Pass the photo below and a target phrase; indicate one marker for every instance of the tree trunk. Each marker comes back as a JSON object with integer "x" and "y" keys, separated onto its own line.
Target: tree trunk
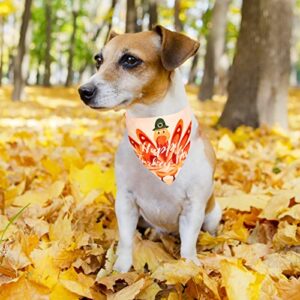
{"x": 131, "y": 16}
{"x": 18, "y": 60}
{"x": 109, "y": 19}
{"x": 260, "y": 72}
{"x": 153, "y": 16}
{"x": 1, "y": 47}
{"x": 70, "y": 75}
{"x": 177, "y": 22}
{"x": 193, "y": 70}
{"x": 214, "y": 48}
{"x": 48, "y": 15}
{"x": 38, "y": 72}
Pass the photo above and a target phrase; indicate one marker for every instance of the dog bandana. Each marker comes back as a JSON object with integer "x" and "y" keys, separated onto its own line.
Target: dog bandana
{"x": 161, "y": 143}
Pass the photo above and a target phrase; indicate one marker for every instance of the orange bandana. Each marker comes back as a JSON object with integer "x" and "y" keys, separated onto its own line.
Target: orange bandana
{"x": 161, "y": 143}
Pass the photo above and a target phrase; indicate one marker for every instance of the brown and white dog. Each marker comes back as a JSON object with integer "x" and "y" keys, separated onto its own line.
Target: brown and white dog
{"x": 139, "y": 72}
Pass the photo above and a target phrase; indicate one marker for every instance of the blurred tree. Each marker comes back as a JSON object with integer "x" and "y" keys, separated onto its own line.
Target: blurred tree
{"x": 1, "y": 47}
{"x": 214, "y": 48}
{"x": 193, "y": 70}
{"x": 177, "y": 21}
{"x": 75, "y": 13}
{"x": 6, "y": 8}
{"x": 259, "y": 78}
{"x": 153, "y": 16}
{"x": 18, "y": 60}
{"x": 109, "y": 18}
{"x": 131, "y": 16}
{"x": 49, "y": 20}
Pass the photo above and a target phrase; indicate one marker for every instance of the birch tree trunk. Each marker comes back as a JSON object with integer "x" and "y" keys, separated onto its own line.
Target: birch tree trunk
{"x": 214, "y": 48}
{"x": 260, "y": 72}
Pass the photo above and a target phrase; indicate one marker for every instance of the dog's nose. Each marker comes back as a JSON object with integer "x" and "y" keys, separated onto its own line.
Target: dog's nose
{"x": 87, "y": 92}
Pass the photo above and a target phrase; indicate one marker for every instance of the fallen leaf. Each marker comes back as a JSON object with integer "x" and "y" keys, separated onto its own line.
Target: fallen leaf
{"x": 149, "y": 253}
{"x": 40, "y": 197}
{"x": 240, "y": 283}
{"x": 129, "y": 292}
{"x": 177, "y": 272}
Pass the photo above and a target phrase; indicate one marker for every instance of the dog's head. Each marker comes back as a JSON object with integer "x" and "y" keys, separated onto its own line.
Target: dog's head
{"x": 136, "y": 67}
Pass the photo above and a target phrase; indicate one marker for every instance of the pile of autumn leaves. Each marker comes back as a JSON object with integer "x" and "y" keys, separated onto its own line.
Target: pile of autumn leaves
{"x": 58, "y": 230}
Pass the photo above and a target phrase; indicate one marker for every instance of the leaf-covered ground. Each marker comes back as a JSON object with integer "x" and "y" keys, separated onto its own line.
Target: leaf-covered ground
{"x": 58, "y": 230}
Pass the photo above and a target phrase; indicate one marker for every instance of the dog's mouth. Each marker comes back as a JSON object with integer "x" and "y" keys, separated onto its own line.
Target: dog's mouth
{"x": 121, "y": 105}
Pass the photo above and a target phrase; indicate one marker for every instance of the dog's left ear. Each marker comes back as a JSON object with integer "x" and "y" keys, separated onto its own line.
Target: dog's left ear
{"x": 111, "y": 35}
{"x": 176, "y": 47}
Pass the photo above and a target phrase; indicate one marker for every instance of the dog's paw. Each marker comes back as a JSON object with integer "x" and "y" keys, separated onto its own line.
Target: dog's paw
{"x": 123, "y": 263}
{"x": 195, "y": 260}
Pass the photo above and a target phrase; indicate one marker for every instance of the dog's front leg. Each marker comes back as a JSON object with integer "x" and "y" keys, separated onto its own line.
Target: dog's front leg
{"x": 127, "y": 215}
{"x": 190, "y": 223}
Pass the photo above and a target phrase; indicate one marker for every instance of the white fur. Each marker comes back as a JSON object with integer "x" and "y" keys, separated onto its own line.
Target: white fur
{"x": 170, "y": 208}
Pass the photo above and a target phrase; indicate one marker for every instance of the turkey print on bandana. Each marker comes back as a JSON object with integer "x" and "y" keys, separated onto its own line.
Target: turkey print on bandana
{"x": 161, "y": 143}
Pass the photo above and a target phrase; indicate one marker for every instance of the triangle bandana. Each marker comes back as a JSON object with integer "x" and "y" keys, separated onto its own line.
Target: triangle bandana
{"x": 161, "y": 143}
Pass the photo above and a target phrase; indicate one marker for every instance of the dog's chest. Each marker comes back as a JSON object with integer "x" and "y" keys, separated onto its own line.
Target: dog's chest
{"x": 161, "y": 204}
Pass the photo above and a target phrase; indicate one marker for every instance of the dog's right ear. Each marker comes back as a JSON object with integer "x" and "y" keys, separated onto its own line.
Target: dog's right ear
{"x": 176, "y": 47}
{"x": 111, "y": 35}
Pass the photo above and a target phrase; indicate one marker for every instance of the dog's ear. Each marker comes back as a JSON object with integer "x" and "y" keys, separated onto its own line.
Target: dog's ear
{"x": 111, "y": 35}
{"x": 176, "y": 47}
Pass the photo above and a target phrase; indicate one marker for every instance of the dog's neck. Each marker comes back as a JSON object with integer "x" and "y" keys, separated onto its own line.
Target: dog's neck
{"x": 174, "y": 101}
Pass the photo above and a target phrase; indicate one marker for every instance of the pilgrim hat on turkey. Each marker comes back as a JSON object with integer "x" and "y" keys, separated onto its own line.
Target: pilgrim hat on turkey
{"x": 160, "y": 124}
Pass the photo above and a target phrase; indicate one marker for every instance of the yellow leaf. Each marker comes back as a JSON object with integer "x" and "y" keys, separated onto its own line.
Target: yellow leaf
{"x": 293, "y": 212}
{"x": 276, "y": 263}
{"x": 52, "y": 167}
{"x": 14, "y": 191}
{"x": 150, "y": 253}
{"x": 286, "y": 235}
{"x": 244, "y": 202}
{"x": 278, "y": 204}
{"x": 79, "y": 284}
{"x": 176, "y": 272}
{"x": 211, "y": 284}
{"x": 44, "y": 271}
{"x": 91, "y": 177}
{"x": 110, "y": 281}
{"x": 289, "y": 289}
{"x": 61, "y": 293}
{"x": 150, "y": 292}
{"x": 61, "y": 230}
{"x": 251, "y": 253}
{"x": 237, "y": 232}
{"x": 23, "y": 289}
{"x": 226, "y": 143}
{"x": 71, "y": 157}
{"x": 40, "y": 196}
{"x": 240, "y": 284}
{"x": 129, "y": 292}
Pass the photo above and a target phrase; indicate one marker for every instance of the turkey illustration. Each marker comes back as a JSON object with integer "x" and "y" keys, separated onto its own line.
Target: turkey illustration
{"x": 164, "y": 157}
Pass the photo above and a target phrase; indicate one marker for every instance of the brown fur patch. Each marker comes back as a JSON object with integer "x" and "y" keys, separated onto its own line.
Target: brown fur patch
{"x": 210, "y": 204}
{"x": 208, "y": 149}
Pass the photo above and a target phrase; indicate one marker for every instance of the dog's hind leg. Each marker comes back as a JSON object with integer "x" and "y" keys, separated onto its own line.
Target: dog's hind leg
{"x": 212, "y": 219}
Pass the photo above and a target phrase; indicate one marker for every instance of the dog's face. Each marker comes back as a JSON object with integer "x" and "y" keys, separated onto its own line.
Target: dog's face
{"x": 136, "y": 67}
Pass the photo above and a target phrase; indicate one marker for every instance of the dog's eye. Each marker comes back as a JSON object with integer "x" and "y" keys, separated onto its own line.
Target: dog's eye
{"x": 128, "y": 61}
{"x": 99, "y": 60}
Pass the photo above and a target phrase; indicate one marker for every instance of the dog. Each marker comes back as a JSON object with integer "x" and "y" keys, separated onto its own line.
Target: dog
{"x": 139, "y": 72}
